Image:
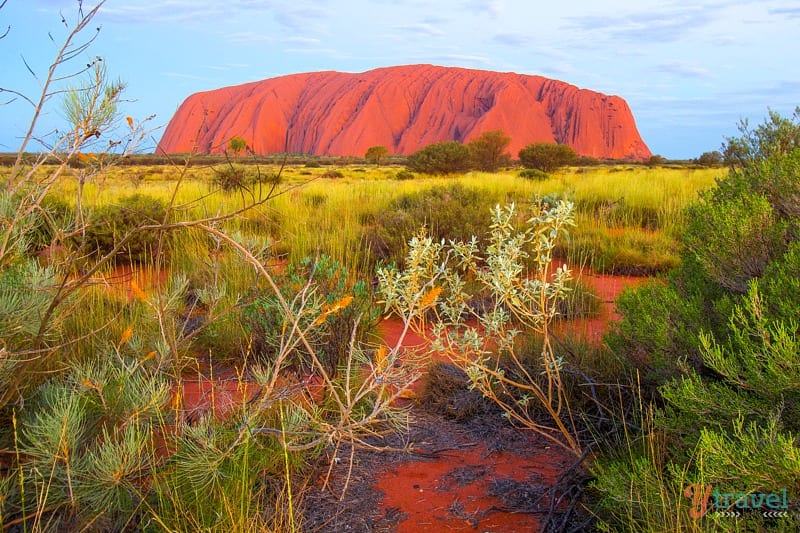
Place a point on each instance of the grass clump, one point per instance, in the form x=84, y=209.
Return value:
x=448, y=212
x=334, y=307
x=120, y=225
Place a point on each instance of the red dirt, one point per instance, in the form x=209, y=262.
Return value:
x=216, y=396
x=449, y=489
x=421, y=494
x=607, y=288
x=403, y=108
x=454, y=493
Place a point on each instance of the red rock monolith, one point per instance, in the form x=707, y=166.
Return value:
x=403, y=108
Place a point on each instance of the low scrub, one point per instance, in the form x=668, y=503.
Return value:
x=448, y=212
x=121, y=227
x=335, y=309
x=717, y=345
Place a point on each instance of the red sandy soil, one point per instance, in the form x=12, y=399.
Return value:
x=607, y=288
x=423, y=496
x=455, y=480
x=454, y=492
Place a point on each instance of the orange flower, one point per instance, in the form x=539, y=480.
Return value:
x=380, y=360
x=136, y=292
x=126, y=335
x=332, y=309
x=430, y=298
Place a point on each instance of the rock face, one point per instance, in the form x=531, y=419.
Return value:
x=404, y=109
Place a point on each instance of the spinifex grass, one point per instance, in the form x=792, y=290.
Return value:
x=628, y=217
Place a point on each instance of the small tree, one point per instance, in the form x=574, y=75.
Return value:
x=656, y=160
x=375, y=154
x=710, y=159
x=488, y=152
x=449, y=157
x=237, y=145
x=547, y=157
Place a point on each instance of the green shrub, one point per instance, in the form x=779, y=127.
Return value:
x=780, y=285
x=720, y=338
x=488, y=151
x=232, y=178
x=119, y=224
x=448, y=212
x=547, y=157
x=710, y=159
x=656, y=160
x=404, y=175
x=333, y=174
x=332, y=304
x=57, y=215
x=449, y=157
x=734, y=239
x=374, y=154
x=534, y=174
x=658, y=329
x=84, y=443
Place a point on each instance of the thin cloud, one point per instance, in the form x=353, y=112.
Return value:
x=169, y=11
x=248, y=37
x=423, y=29
x=684, y=70
x=789, y=12
x=462, y=58
x=302, y=18
x=650, y=26
x=512, y=39
x=303, y=41
x=561, y=69
x=494, y=8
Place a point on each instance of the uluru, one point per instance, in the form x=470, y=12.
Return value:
x=403, y=108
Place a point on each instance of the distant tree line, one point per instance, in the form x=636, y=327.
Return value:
x=488, y=153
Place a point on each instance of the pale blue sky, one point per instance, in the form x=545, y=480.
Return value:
x=688, y=69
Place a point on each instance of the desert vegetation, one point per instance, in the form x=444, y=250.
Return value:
x=191, y=345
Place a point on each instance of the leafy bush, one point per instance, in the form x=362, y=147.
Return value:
x=232, y=178
x=57, y=214
x=84, y=443
x=780, y=285
x=488, y=151
x=547, y=157
x=734, y=240
x=435, y=276
x=404, y=175
x=449, y=212
x=722, y=336
x=374, y=154
x=710, y=159
x=449, y=157
x=733, y=236
x=333, y=174
x=120, y=225
x=534, y=174
x=656, y=160
x=332, y=305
